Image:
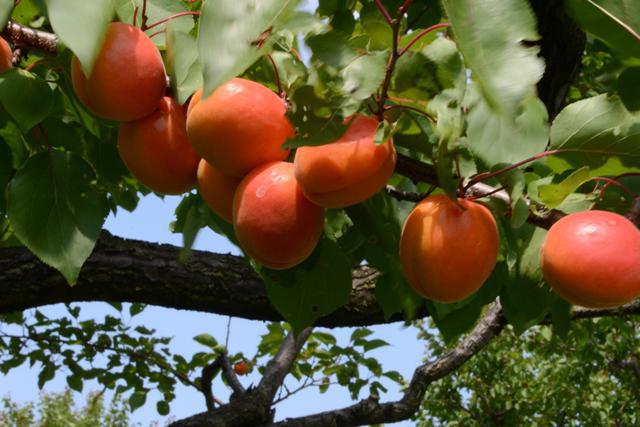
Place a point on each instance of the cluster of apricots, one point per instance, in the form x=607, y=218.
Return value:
x=230, y=144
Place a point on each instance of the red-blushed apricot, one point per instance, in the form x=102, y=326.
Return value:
x=128, y=78
x=241, y=368
x=242, y=125
x=592, y=259
x=217, y=189
x=274, y=222
x=156, y=149
x=447, y=250
x=347, y=171
x=6, y=56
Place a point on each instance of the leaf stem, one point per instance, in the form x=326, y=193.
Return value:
x=384, y=12
x=169, y=18
x=276, y=73
x=422, y=34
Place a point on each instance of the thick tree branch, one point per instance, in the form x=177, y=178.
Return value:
x=26, y=37
x=230, y=376
x=124, y=270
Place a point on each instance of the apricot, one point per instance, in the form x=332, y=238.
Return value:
x=347, y=171
x=274, y=222
x=217, y=189
x=448, y=250
x=128, y=78
x=6, y=56
x=242, y=125
x=241, y=368
x=592, y=259
x=156, y=149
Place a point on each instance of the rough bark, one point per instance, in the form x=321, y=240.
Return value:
x=125, y=270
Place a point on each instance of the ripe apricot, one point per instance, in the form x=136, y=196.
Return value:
x=242, y=125
x=592, y=259
x=448, y=250
x=347, y=171
x=217, y=189
x=241, y=368
x=128, y=78
x=6, y=56
x=156, y=149
x=274, y=222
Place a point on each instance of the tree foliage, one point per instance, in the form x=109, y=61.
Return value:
x=467, y=90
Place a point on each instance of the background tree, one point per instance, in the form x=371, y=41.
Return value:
x=478, y=98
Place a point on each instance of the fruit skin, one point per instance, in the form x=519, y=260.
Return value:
x=592, y=259
x=347, y=171
x=447, y=253
x=217, y=189
x=128, y=78
x=241, y=368
x=274, y=222
x=156, y=149
x=241, y=126
x=5, y=56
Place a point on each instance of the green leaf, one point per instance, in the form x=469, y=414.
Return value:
x=313, y=289
x=615, y=22
x=163, y=408
x=6, y=7
x=331, y=49
x=597, y=132
x=6, y=170
x=56, y=211
x=560, y=317
x=75, y=383
x=46, y=374
x=497, y=138
x=26, y=97
x=373, y=344
x=629, y=88
x=182, y=60
x=363, y=76
x=137, y=399
x=552, y=195
x=489, y=33
x=230, y=35
x=206, y=340
x=82, y=26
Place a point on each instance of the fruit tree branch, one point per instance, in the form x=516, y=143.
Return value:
x=371, y=411
x=26, y=37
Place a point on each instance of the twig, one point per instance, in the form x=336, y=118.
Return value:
x=26, y=37
x=169, y=18
x=230, y=376
x=422, y=34
x=276, y=73
x=384, y=12
x=408, y=196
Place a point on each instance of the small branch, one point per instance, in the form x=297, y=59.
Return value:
x=407, y=196
x=279, y=367
x=422, y=34
x=143, y=26
x=169, y=18
x=370, y=411
x=634, y=213
x=230, y=376
x=26, y=37
x=414, y=109
x=209, y=372
x=384, y=11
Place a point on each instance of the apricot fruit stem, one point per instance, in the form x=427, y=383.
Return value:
x=169, y=18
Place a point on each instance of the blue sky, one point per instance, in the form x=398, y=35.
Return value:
x=150, y=222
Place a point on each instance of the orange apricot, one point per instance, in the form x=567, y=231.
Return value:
x=217, y=189
x=242, y=125
x=592, y=259
x=347, y=171
x=448, y=250
x=128, y=78
x=156, y=149
x=6, y=56
x=274, y=222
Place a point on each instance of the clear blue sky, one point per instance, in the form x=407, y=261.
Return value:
x=150, y=222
